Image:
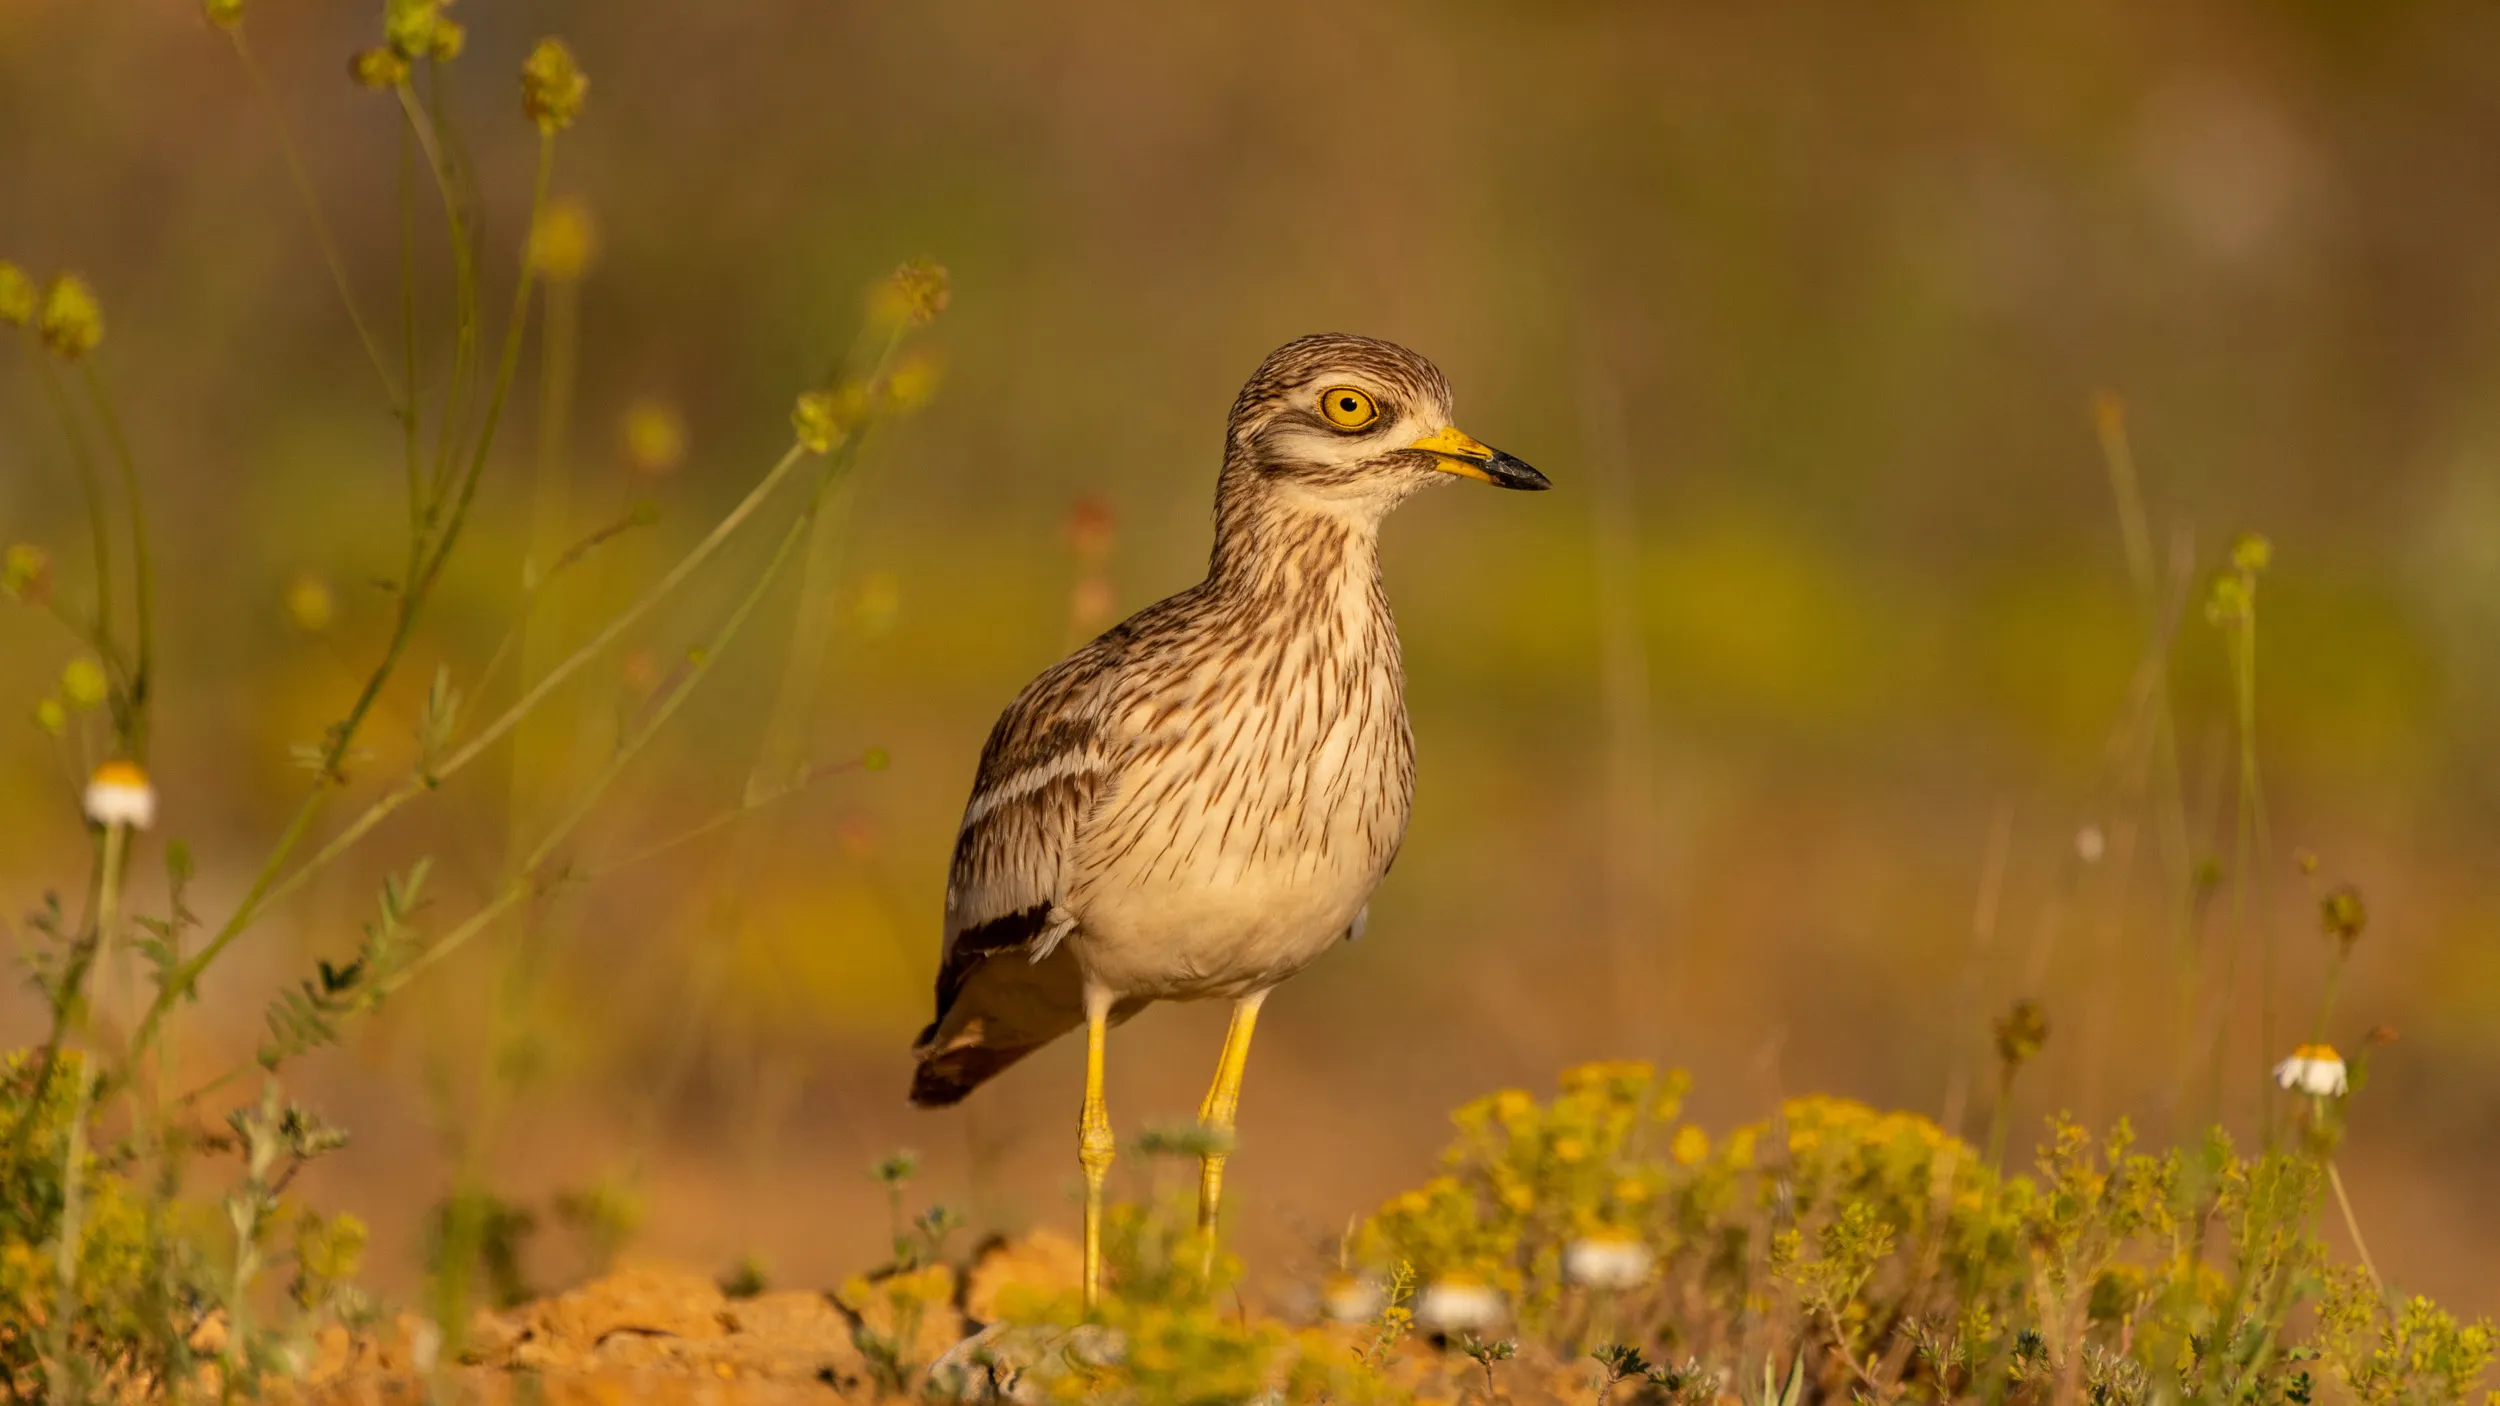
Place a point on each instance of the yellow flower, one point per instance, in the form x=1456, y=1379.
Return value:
x=119, y=794
x=17, y=295
x=1691, y=1145
x=552, y=86
x=309, y=604
x=26, y=573
x=824, y=419
x=655, y=437
x=1512, y=1105
x=83, y=683
x=913, y=381
x=225, y=14
x=565, y=240
x=377, y=68
x=72, y=320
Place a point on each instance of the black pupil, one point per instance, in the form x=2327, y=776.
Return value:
x=1346, y=404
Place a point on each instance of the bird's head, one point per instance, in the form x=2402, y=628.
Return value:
x=1357, y=423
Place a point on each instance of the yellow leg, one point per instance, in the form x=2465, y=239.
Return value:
x=1216, y=1114
x=1094, y=1145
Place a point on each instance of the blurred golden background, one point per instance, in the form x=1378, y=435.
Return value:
x=1776, y=744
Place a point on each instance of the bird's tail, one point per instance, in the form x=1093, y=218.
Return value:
x=945, y=1075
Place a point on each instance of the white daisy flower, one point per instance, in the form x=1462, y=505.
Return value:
x=1457, y=1304
x=2315, y=1070
x=119, y=794
x=1607, y=1262
x=1351, y=1298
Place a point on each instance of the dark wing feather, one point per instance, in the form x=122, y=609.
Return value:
x=1048, y=764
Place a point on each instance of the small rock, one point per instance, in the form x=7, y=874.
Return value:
x=648, y=1299
x=1042, y=1264
x=1016, y=1362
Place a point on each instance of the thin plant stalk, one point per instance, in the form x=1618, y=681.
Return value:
x=99, y=515
x=74, y=1157
x=143, y=571
x=320, y=225
x=179, y=980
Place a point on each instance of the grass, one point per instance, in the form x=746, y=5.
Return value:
x=123, y=1277
x=1596, y=1244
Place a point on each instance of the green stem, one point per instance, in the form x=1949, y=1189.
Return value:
x=179, y=980
x=320, y=224
x=135, y=739
x=493, y=732
x=2352, y=1226
x=73, y=1168
x=464, y=287
x=407, y=408
x=99, y=517
x=506, y=369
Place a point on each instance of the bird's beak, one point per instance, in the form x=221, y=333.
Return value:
x=1463, y=455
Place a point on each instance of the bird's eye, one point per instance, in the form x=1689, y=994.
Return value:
x=1347, y=408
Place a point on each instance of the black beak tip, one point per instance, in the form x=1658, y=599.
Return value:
x=1513, y=473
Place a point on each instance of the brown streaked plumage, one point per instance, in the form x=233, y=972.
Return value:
x=1200, y=802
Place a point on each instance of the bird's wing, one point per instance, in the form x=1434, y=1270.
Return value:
x=1050, y=762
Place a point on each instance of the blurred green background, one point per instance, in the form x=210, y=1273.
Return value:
x=1803, y=307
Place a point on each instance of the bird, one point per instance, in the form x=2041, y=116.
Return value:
x=1199, y=803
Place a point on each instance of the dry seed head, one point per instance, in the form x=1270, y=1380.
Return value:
x=408, y=26
x=552, y=86
x=225, y=14
x=2342, y=915
x=2021, y=1032
x=378, y=69
x=824, y=419
x=73, y=321
x=17, y=295
x=911, y=296
x=565, y=241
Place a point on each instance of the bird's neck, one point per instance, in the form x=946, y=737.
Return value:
x=1293, y=549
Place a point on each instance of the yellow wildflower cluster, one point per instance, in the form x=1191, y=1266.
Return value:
x=552, y=86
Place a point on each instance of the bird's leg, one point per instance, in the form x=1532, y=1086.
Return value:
x=1216, y=1114
x=1094, y=1143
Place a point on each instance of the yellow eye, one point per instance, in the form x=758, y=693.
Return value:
x=1347, y=408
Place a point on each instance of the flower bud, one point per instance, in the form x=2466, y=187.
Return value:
x=565, y=241
x=378, y=68
x=911, y=296
x=552, y=85
x=17, y=295
x=26, y=573
x=73, y=321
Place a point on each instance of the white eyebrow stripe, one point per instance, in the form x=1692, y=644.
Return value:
x=1008, y=790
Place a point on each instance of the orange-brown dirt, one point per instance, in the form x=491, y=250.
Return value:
x=655, y=1332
